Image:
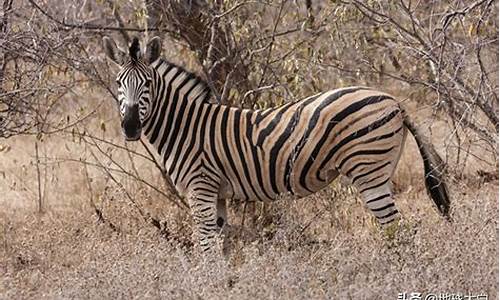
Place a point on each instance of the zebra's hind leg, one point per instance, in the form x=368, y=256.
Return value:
x=379, y=199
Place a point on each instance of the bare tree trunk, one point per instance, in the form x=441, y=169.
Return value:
x=199, y=24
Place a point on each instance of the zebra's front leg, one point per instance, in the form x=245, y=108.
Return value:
x=207, y=220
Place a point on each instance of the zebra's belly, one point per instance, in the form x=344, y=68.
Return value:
x=232, y=190
x=314, y=184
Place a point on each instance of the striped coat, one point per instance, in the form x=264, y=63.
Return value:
x=213, y=152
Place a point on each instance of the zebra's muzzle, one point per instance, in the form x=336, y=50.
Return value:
x=131, y=123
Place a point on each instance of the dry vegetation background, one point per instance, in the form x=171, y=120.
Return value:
x=84, y=215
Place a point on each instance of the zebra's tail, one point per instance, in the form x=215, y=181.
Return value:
x=434, y=169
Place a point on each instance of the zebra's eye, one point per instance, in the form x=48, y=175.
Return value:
x=148, y=82
x=119, y=83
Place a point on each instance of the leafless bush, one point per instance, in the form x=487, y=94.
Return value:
x=37, y=72
x=445, y=50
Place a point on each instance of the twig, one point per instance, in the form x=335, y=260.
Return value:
x=90, y=26
x=166, y=179
x=98, y=212
x=37, y=157
x=182, y=205
x=271, y=43
x=242, y=225
x=227, y=87
x=119, y=19
x=120, y=185
x=258, y=90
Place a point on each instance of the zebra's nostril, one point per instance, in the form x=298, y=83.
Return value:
x=130, y=127
x=131, y=123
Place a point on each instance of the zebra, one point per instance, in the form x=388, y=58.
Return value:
x=214, y=152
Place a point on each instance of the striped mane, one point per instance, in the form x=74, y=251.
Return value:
x=134, y=49
x=209, y=97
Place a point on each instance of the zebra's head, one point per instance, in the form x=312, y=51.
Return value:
x=136, y=81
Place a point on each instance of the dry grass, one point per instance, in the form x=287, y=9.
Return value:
x=70, y=255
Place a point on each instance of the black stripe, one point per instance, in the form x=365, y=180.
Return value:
x=363, y=153
x=207, y=198
x=383, y=207
x=209, y=225
x=368, y=141
x=201, y=138
x=388, y=215
x=177, y=127
x=375, y=186
x=171, y=129
x=289, y=129
x=265, y=132
x=312, y=125
x=190, y=147
x=378, y=198
x=207, y=176
x=207, y=170
x=198, y=200
x=210, y=170
x=211, y=193
x=365, y=163
x=211, y=183
x=370, y=172
x=189, y=169
x=370, y=180
x=182, y=141
x=281, y=140
x=213, y=148
x=382, y=137
x=161, y=105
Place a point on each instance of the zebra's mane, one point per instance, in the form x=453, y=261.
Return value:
x=209, y=97
x=134, y=49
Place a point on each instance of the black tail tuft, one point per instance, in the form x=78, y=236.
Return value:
x=434, y=171
x=436, y=186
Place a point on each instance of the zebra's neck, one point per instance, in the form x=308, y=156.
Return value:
x=181, y=103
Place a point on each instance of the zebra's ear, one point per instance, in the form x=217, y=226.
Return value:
x=153, y=50
x=116, y=55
